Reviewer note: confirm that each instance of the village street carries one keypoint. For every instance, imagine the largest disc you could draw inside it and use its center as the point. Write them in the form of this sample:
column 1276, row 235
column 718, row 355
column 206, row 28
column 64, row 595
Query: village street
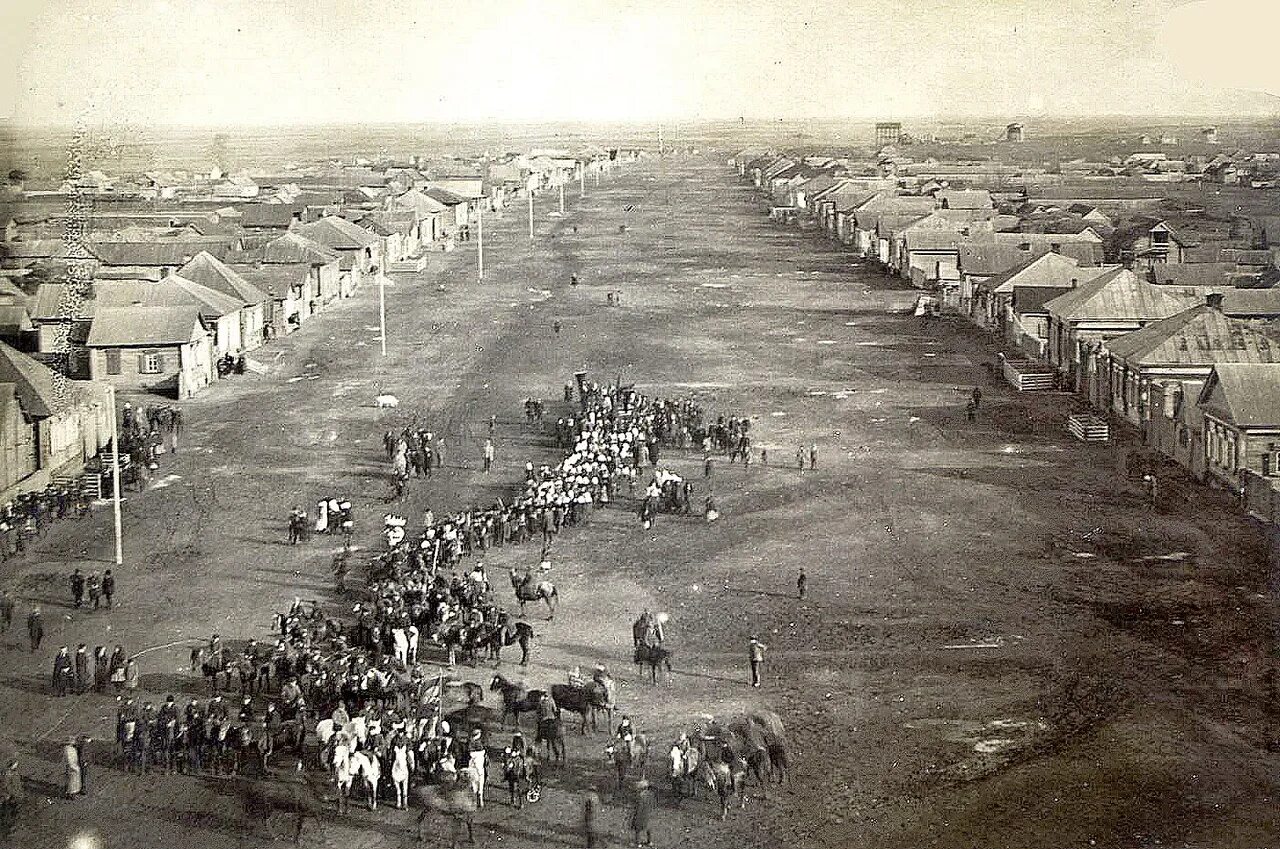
column 992, row 652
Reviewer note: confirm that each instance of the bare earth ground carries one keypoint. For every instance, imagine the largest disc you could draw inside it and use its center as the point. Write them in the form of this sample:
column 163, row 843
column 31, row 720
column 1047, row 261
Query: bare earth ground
column 985, row 659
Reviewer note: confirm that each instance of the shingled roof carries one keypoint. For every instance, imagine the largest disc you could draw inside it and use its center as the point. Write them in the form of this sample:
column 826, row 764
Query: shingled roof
column 1201, row 335
column 208, row 270
column 33, row 383
column 1119, row 295
column 115, row 327
column 1245, row 394
column 338, row 233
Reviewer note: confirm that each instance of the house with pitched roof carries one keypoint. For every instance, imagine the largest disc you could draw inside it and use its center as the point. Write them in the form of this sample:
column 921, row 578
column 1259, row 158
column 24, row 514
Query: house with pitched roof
column 221, row 314
column 1183, row 347
column 1240, row 403
column 996, row 303
column 456, row 212
column 324, row 281
column 170, row 352
column 207, row 270
column 1144, row 241
column 359, row 251
column 285, row 286
column 154, row 259
column 429, row 212
column 67, row 421
column 1114, row 303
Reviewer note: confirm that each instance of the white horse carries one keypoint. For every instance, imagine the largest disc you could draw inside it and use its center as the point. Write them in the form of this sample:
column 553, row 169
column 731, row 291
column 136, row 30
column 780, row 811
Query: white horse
column 358, row 727
column 366, row 765
column 401, row 767
column 344, row 770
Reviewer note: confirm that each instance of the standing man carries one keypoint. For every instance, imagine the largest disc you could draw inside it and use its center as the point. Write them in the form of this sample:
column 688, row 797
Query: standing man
column 108, row 588
column 801, row 581
column 297, row 521
column 800, row 458
column 971, row 411
column 77, row 588
column 62, row 674
column 82, row 668
column 93, row 585
column 35, row 628
column 756, row 655
column 813, row 457
column 642, row 813
column 707, row 466
column 6, row 611
column 488, row 455
column 977, row 397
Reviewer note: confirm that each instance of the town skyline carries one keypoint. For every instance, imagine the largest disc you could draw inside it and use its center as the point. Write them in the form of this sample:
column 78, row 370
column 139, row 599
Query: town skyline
column 288, row 64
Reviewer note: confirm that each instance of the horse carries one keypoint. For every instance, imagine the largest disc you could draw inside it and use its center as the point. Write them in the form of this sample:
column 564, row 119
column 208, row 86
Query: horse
column 401, row 767
column 551, row 735
column 625, row 758
column 516, row 698
column 654, row 656
column 508, row 634
column 211, row 665
column 583, row 700
column 528, row 589
column 725, row 780
column 344, row 770
column 367, row 766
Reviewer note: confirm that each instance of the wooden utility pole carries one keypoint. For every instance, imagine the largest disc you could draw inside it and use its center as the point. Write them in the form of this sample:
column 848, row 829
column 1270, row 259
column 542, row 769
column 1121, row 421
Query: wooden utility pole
column 480, row 241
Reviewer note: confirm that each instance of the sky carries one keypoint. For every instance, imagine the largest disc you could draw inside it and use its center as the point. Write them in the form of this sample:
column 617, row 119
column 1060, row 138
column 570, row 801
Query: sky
column 210, row 62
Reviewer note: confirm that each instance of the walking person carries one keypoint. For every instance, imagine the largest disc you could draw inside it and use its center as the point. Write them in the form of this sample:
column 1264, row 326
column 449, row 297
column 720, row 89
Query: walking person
column 971, row 411
column 977, row 397
column 591, row 818
column 6, row 611
column 764, row 456
column 813, row 457
column 77, row 588
column 109, row 588
column 801, row 581
column 93, row 586
column 755, row 653
column 800, row 458
column 642, row 813
column 488, row 455
column 708, row 466
column 35, row 628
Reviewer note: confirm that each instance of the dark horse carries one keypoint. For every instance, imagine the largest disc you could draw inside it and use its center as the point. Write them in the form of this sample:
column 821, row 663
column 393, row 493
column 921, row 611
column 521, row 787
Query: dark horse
column 551, row 734
column 506, row 634
column 654, row 656
column 516, row 698
column 529, row 589
column 583, row 700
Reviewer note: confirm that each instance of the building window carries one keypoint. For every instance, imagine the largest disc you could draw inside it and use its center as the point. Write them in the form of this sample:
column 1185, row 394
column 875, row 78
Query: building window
column 113, row 360
column 150, row 363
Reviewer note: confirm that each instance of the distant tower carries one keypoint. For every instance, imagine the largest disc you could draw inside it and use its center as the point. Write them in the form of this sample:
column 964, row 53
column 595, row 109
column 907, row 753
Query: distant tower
column 1013, row 132
column 888, row 132
column 1210, row 135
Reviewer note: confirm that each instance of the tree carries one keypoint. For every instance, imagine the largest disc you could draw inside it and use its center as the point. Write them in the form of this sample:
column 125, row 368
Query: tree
column 17, row 175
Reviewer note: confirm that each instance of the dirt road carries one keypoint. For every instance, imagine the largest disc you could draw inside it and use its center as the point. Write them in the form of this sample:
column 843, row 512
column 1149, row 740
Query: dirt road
column 1002, row 643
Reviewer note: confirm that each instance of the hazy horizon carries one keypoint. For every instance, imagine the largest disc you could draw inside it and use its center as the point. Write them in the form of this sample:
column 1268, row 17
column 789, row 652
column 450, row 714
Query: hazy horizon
column 273, row 63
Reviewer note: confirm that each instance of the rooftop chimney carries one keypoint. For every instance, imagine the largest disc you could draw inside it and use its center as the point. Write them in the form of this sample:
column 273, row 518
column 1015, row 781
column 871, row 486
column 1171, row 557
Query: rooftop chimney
column 1214, row 300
